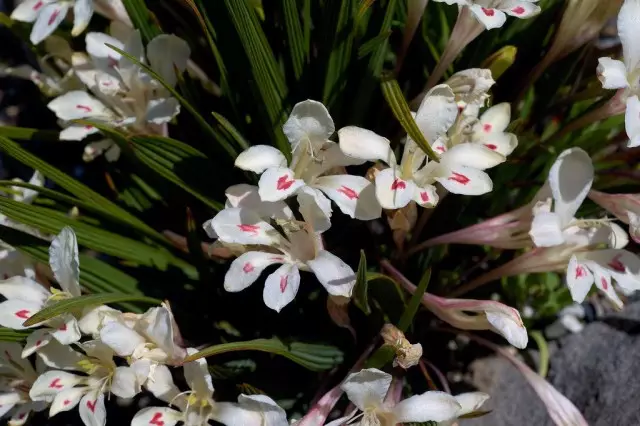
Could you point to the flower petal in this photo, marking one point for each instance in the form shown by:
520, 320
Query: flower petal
604, 282
92, 409
471, 401
66, 400
437, 112
76, 132
622, 265
355, 195
14, 312
94, 318
66, 329
570, 179
430, 406
465, 181
365, 145
23, 288
259, 158
59, 356
124, 383
632, 121
546, 230
28, 10
579, 280
36, 340
612, 73
122, 339
367, 388
502, 143
495, 119
51, 383
489, 17
246, 196
335, 275
426, 196
50, 16
156, 416
82, 13
629, 33
476, 156
520, 9
77, 105
160, 383
281, 287
634, 226
278, 183
161, 111
168, 55
308, 120
250, 410
64, 262
159, 327
509, 326
393, 192
246, 269
196, 373
315, 208
242, 226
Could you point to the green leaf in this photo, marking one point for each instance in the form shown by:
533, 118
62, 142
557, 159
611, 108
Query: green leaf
25, 134
9, 335
232, 132
414, 303
400, 108
311, 356
360, 293
142, 18
543, 348
75, 304
294, 36
192, 110
372, 45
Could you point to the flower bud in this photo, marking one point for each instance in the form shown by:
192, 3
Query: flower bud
407, 355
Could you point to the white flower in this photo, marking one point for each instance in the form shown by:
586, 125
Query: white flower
615, 74
626, 207
18, 375
367, 389
471, 88
570, 180
259, 410
67, 390
299, 248
145, 342
309, 175
25, 297
493, 13
463, 154
124, 95
194, 407
48, 14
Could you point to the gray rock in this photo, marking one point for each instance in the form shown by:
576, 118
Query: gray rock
597, 369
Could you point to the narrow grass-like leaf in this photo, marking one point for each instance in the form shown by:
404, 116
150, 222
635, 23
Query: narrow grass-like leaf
186, 104
294, 36
26, 134
414, 302
77, 303
372, 45
9, 335
543, 348
311, 356
340, 56
232, 132
400, 108
142, 18
361, 290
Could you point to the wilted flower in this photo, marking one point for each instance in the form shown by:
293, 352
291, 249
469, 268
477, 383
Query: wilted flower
626, 207
25, 297
309, 174
367, 388
407, 355
615, 74
298, 248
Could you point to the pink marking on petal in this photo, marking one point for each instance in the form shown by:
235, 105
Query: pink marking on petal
605, 284
488, 12
491, 146
616, 265
91, 406
55, 384
249, 229
38, 343
66, 402
248, 267
156, 420
581, 272
348, 192
23, 314
63, 327
440, 148
53, 17
88, 127
460, 178
38, 5
424, 196
284, 183
112, 62
518, 10
398, 184
283, 283
84, 108
487, 128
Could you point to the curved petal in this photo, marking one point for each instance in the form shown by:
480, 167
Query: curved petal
520, 9
355, 195
546, 230
465, 181
426, 196
365, 145
622, 265
489, 17
28, 10
570, 179
66, 400
495, 119
315, 208
308, 120
94, 318
335, 275
612, 73
64, 261
49, 18
471, 401
632, 121
278, 183
156, 416
242, 226
472, 155
96, 44
509, 326
35, 341
51, 383
168, 55
160, 383
76, 105
629, 33
246, 269
122, 339
579, 280
76, 132
14, 312
437, 112
59, 356
502, 143
393, 192
161, 111
196, 373
247, 196
82, 13
124, 383
259, 158
250, 410
281, 287
92, 409
24, 288
367, 388
604, 283
430, 406
66, 329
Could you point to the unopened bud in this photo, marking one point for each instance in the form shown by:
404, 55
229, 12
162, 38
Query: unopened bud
407, 355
